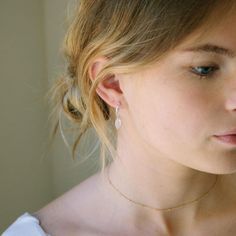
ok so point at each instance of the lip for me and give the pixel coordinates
(232, 132)
(230, 139)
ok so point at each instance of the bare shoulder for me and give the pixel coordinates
(81, 209)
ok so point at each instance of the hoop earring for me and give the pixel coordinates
(118, 120)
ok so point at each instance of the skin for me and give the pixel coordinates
(166, 149)
(166, 152)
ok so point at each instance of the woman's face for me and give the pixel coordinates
(177, 112)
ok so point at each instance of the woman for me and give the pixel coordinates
(159, 77)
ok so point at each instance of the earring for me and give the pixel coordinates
(118, 120)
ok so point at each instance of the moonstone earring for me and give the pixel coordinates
(118, 120)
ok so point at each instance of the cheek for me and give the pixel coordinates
(172, 115)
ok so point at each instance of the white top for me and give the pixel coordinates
(25, 225)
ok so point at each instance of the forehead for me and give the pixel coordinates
(216, 35)
(221, 33)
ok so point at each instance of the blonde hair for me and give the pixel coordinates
(132, 35)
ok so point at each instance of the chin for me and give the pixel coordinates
(218, 163)
(222, 167)
(221, 171)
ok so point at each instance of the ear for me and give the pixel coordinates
(109, 89)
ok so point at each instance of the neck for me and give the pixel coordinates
(159, 182)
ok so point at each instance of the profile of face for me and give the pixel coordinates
(175, 107)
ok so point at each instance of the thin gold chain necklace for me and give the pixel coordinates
(163, 209)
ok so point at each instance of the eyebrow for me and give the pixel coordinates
(211, 48)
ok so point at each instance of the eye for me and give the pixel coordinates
(204, 71)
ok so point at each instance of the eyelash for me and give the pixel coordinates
(204, 76)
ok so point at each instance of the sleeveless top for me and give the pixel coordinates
(25, 225)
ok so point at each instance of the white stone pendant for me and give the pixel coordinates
(118, 123)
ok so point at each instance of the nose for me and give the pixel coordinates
(231, 96)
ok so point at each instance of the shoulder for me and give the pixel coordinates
(77, 210)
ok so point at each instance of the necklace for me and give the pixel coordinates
(163, 209)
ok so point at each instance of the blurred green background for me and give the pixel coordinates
(31, 33)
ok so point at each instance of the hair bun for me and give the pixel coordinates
(71, 71)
